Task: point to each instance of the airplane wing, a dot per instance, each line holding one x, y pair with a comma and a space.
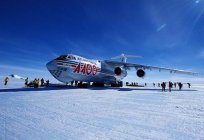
139, 66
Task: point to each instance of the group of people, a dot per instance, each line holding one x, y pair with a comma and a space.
170, 84
132, 84
163, 85
36, 83
180, 85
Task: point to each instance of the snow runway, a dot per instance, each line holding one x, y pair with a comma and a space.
101, 113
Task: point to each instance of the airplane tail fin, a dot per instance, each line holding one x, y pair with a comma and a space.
124, 57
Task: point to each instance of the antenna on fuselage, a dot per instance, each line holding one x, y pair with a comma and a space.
124, 57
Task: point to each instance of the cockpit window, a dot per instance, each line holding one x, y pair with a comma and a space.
71, 57
64, 57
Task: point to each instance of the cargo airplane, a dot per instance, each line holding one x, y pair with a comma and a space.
67, 68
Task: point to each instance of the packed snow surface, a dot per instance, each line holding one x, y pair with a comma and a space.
100, 113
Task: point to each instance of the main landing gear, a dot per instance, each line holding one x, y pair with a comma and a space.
98, 84
117, 84
82, 85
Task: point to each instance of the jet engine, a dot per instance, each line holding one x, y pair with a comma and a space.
120, 72
140, 73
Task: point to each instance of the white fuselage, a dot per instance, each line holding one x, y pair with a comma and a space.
68, 68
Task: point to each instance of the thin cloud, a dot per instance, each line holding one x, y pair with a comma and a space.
201, 54
161, 27
197, 1
89, 48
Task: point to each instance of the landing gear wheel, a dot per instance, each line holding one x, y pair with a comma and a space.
82, 85
96, 84
120, 84
117, 84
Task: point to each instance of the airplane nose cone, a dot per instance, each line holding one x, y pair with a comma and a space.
51, 65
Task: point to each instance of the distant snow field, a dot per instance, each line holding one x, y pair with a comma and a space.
100, 113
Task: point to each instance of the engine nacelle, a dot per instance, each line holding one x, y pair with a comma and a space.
140, 73
120, 72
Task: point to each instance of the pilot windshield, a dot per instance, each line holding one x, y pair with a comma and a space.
62, 57
65, 57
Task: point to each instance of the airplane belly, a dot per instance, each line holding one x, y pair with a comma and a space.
85, 78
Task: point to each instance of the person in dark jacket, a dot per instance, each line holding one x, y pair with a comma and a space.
174, 85
189, 85
42, 82
163, 85
170, 86
180, 85
47, 83
6, 81
26, 82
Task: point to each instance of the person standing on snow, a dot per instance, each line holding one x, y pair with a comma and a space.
42, 82
6, 81
170, 86
163, 85
26, 82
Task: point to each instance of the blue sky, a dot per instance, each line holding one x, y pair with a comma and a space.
165, 33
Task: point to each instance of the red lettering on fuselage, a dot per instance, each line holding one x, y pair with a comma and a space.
77, 68
88, 69
94, 70
85, 69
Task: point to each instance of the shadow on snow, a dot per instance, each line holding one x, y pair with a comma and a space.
64, 87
